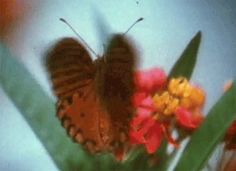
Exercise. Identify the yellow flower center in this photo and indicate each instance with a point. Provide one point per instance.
(179, 93)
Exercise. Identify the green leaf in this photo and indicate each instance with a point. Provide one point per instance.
(211, 132)
(185, 64)
(165, 164)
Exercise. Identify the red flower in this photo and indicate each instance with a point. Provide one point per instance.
(150, 80)
(147, 131)
(138, 98)
(188, 119)
(147, 81)
(143, 103)
(230, 137)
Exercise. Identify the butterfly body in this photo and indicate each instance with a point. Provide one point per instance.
(94, 97)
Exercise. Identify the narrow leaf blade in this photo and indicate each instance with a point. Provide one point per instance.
(186, 63)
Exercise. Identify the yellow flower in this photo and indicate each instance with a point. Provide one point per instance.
(165, 103)
(179, 87)
(179, 93)
(197, 97)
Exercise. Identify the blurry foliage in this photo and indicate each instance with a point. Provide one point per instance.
(39, 111)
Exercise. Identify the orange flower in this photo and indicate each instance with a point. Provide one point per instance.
(11, 11)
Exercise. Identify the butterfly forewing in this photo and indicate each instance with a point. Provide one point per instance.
(70, 67)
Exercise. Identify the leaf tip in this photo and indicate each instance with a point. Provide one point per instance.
(198, 35)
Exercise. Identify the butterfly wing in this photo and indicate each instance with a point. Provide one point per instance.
(70, 67)
(72, 73)
(117, 85)
(119, 64)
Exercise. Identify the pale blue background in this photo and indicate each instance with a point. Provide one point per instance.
(159, 39)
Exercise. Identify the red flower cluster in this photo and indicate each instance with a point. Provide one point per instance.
(230, 137)
(158, 103)
(144, 128)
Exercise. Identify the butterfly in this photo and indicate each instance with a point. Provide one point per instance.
(94, 96)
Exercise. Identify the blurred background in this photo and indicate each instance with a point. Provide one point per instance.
(160, 39)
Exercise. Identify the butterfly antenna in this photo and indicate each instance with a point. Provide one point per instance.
(138, 20)
(64, 21)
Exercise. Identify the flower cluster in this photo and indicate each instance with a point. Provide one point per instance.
(163, 104)
(230, 137)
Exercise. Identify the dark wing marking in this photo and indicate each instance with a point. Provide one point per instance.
(70, 67)
(119, 64)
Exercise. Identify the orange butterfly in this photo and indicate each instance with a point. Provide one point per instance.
(94, 97)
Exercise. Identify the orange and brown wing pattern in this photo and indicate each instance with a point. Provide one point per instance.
(86, 121)
(72, 73)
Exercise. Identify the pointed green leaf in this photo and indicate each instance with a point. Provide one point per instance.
(211, 132)
(185, 64)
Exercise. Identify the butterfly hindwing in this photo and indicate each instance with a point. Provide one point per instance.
(89, 123)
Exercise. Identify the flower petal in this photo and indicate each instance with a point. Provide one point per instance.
(138, 98)
(168, 136)
(159, 77)
(230, 137)
(184, 118)
(136, 137)
(144, 111)
(150, 80)
(154, 138)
